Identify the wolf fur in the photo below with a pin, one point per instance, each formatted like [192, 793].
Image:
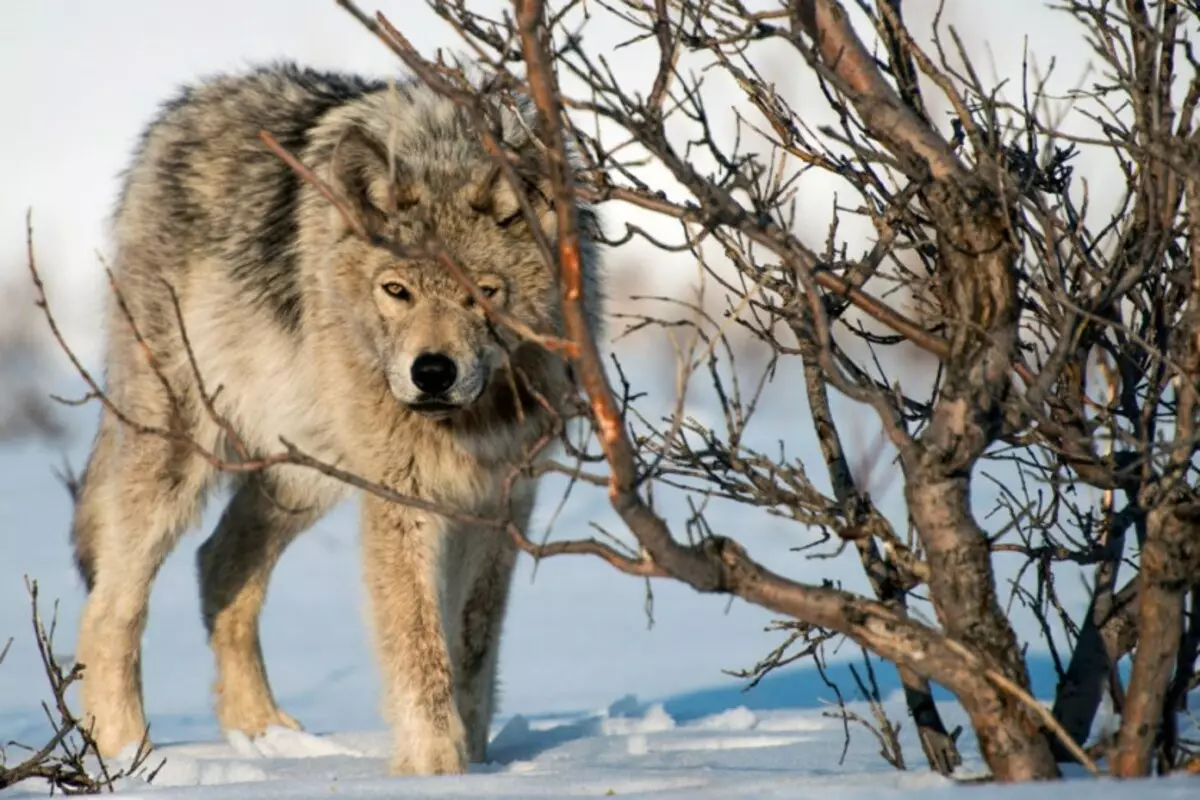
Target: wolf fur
[314, 336]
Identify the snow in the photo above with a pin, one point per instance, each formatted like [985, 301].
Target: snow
[582, 755]
[735, 753]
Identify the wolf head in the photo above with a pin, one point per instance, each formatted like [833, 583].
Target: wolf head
[415, 172]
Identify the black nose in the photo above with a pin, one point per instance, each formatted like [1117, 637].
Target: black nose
[433, 373]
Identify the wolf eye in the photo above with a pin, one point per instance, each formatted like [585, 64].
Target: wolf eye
[508, 221]
[397, 290]
[488, 291]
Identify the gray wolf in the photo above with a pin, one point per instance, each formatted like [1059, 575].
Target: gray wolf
[380, 364]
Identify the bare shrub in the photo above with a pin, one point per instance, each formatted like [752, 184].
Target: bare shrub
[68, 761]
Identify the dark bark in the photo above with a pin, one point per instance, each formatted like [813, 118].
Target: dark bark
[1170, 558]
[1099, 646]
[978, 291]
[1169, 563]
[964, 594]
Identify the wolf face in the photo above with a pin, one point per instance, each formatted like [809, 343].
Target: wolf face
[435, 344]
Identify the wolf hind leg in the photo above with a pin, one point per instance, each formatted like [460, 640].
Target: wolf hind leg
[268, 511]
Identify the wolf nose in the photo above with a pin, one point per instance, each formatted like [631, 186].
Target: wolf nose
[433, 373]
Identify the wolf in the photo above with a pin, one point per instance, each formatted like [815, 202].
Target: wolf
[248, 312]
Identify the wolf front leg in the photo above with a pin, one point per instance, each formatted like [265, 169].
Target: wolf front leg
[479, 638]
[489, 570]
[402, 550]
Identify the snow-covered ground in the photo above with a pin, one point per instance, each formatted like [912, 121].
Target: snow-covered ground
[627, 750]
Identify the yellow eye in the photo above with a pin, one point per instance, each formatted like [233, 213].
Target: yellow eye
[397, 290]
[488, 291]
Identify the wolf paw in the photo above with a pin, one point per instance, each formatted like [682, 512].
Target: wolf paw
[285, 720]
[444, 755]
[278, 741]
[253, 719]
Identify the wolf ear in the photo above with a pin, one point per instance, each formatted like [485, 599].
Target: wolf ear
[492, 194]
[370, 183]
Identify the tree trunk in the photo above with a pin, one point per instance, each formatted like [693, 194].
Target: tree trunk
[1099, 647]
[964, 594]
[1169, 559]
[977, 288]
